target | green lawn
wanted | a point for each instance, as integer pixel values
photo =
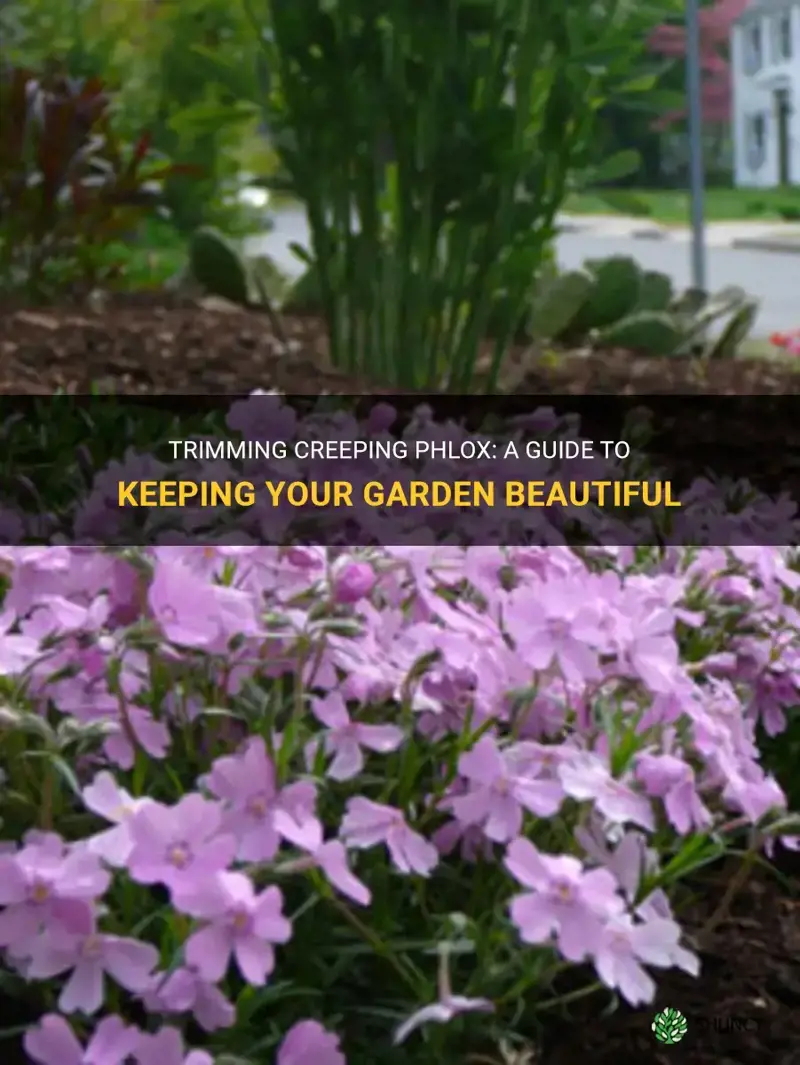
(671, 207)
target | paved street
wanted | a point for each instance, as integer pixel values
(772, 277)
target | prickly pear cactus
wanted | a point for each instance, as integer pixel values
(614, 295)
(655, 291)
(557, 302)
(727, 344)
(267, 282)
(304, 295)
(217, 266)
(650, 332)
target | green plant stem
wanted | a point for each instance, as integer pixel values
(569, 997)
(375, 941)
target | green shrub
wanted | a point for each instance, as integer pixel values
(447, 138)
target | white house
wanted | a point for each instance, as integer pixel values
(765, 73)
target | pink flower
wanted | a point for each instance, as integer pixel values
(255, 812)
(241, 923)
(108, 800)
(129, 962)
(671, 779)
(196, 614)
(353, 582)
(499, 789)
(246, 785)
(653, 650)
(551, 623)
(308, 1043)
(178, 845)
(52, 1042)
(331, 858)
(564, 900)
(185, 991)
(182, 605)
(446, 1007)
(441, 1012)
(45, 883)
(367, 823)
(151, 735)
(586, 778)
(623, 946)
(166, 1048)
(345, 738)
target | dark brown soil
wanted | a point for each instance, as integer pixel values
(743, 1009)
(143, 346)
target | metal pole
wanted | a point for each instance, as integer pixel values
(695, 118)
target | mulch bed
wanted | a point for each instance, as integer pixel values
(743, 1009)
(151, 345)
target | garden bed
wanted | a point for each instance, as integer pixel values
(141, 345)
(741, 1010)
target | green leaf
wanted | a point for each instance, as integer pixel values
(617, 166)
(644, 83)
(66, 774)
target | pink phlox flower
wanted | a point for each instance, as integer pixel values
(564, 900)
(331, 858)
(166, 1047)
(587, 779)
(308, 1043)
(624, 946)
(367, 824)
(89, 957)
(52, 1042)
(182, 605)
(652, 653)
(46, 883)
(446, 1007)
(56, 616)
(344, 738)
(551, 623)
(17, 651)
(185, 991)
(240, 923)
(352, 581)
(295, 815)
(245, 783)
(629, 861)
(754, 792)
(198, 615)
(255, 812)
(106, 798)
(152, 736)
(500, 785)
(471, 841)
(178, 845)
(672, 780)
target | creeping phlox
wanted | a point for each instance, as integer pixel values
(305, 805)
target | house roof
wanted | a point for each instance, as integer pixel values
(757, 8)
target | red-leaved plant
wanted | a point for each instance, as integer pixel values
(67, 185)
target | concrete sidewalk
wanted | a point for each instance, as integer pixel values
(757, 236)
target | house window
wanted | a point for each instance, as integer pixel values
(753, 56)
(756, 141)
(785, 36)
